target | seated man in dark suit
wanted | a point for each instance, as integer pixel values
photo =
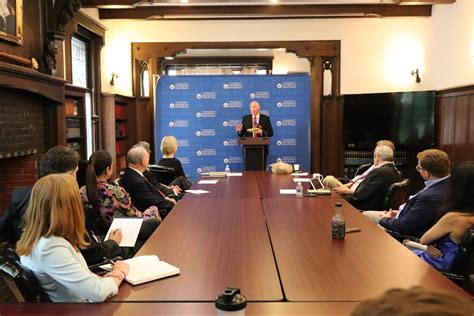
(418, 215)
(369, 194)
(144, 194)
(58, 159)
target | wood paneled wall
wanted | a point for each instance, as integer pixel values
(455, 109)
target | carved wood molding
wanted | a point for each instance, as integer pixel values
(21, 78)
(58, 15)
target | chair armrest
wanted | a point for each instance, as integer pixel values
(402, 237)
(456, 278)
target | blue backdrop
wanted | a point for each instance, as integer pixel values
(202, 111)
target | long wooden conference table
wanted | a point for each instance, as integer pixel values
(277, 249)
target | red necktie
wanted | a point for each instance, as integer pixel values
(254, 125)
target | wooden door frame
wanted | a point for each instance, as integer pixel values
(317, 52)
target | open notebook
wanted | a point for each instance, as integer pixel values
(146, 268)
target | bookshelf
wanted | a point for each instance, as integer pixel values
(118, 126)
(72, 121)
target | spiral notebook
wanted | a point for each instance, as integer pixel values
(145, 269)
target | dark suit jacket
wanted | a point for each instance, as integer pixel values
(264, 122)
(419, 213)
(370, 193)
(10, 223)
(265, 125)
(143, 193)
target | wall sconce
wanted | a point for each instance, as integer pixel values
(114, 76)
(416, 73)
(327, 78)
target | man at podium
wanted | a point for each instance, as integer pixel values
(255, 125)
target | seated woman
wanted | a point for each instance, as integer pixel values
(169, 148)
(54, 234)
(110, 199)
(444, 237)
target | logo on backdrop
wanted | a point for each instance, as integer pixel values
(233, 105)
(179, 105)
(179, 123)
(179, 86)
(182, 142)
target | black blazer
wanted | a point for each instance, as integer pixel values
(370, 193)
(11, 221)
(143, 193)
(419, 213)
(264, 122)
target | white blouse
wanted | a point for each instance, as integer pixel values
(63, 273)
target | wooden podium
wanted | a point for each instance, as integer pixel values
(254, 152)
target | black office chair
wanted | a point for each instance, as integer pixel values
(462, 267)
(163, 174)
(20, 280)
(396, 195)
(362, 168)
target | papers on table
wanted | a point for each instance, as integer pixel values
(235, 174)
(197, 191)
(299, 174)
(146, 268)
(301, 180)
(287, 191)
(207, 181)
(130, 227)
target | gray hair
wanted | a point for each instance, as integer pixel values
(136, 154)
(384, 152)
(143, 144)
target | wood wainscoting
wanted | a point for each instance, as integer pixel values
(455, 110)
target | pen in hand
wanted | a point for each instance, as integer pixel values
(109, 260)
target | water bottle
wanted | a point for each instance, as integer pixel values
(231, 303)
(299, 190)
(227, 169)
(338, 223)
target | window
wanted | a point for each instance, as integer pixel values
(79, 62)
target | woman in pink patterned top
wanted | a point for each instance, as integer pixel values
(112, 200)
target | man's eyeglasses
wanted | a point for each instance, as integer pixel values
(419, 168)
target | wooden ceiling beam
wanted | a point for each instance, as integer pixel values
(275, 11)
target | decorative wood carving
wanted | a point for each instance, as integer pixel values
(58, 14)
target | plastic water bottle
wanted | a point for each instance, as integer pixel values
(299, 190)
(338, 223)
(227, 169)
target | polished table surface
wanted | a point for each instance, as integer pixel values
(244, 187)
(216, 243)
(270, 184)
(314, 267)
(204, 309)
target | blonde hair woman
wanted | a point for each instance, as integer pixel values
(54, 234)
(169, 148)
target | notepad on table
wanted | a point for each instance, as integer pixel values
(145, 269)
(207, 181)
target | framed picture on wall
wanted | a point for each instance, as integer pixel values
(11, 21)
